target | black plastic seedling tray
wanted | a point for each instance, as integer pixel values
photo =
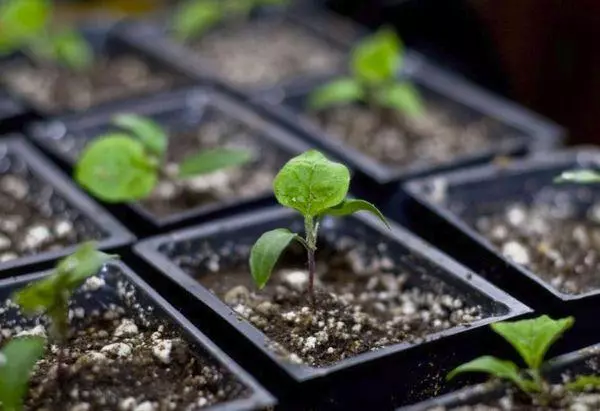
(575, 363)
(523, 131)
(12, 113)
(442, 206)
(117, 276)
(181, 110)
(61, 196)
(380, 379)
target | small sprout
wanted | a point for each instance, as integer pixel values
(51, 294)
(126, 166)
(531, 339)
(584, 383)
(315, 187)
(193, 18)
(17, 359)
(582, 176)
(375, 64)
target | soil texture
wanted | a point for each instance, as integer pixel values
(56, 90)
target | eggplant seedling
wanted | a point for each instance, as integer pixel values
(374, 67)
(25, 27)
(193, 18)
(126, 166)
(315, 187)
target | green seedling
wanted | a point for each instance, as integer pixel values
(315, 187)
(374, 66)
(193, 18)
(583, 176)
(126, 166)
(25, 27)
(17, 359)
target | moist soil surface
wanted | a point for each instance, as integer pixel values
(113, 361)
(396, 140)
(55, 89)
(360, 305)
(265, 52)
(236, 183)
(556, 245)
(34, 220)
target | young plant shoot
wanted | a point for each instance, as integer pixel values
(583, 176)
(126, 166)
(375, 64)
(25, 27)
(193, 18)
(315, 187)
(17, 359)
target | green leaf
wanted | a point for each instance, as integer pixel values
(85, 262)
(584, 383)
(507, 370)
(583, 176)
(378, 57)
(116, 168)
(149, 132)
(403, 97)
(195, 17)
(351, 206)
(17, 359)
(265, 253)
(21, 21)
(72, 50)
(533, 338)
(341, 91)
(208, 161)
(310, 183)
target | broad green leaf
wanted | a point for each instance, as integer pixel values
(85, 262)
(21, 21)
(341, 91)
(378, 57)
(195, 17)
(116, 168)
(583, 176)
(215, 159)
(38, 296)
(533, 338)
(265, 253)
(72, 50)
(310, 183)
(17, 360)
(351, 206)
(403, 97)
(148, 131)
(239, 8)
(584, 383)
(507, 370)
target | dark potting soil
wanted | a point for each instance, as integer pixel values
(56, 89)
(397, 140)
(555, 243)
(118, 361)
(34, 219)
(361, 303)
(265, 52)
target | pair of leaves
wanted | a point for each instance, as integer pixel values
(17, 359)
(315, 187)
(583, 176)
(21, 21)
(531, 339)
(125, 166)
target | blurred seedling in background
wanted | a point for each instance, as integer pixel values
(126, 166)
(25, 26)
(583, 176)
(193, 18)
(315, 187)
(375, 64)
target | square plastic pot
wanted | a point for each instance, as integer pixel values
(116, 276)
(65, 138)
(62, 197)
(523, 131)
(370, 379)
(12, 113)
(442, 206)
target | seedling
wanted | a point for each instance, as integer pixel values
(315, 187)
(193, 18)
(583, 176)
(25, 27)
(17, 359)
(374, 66)
(126, 166)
